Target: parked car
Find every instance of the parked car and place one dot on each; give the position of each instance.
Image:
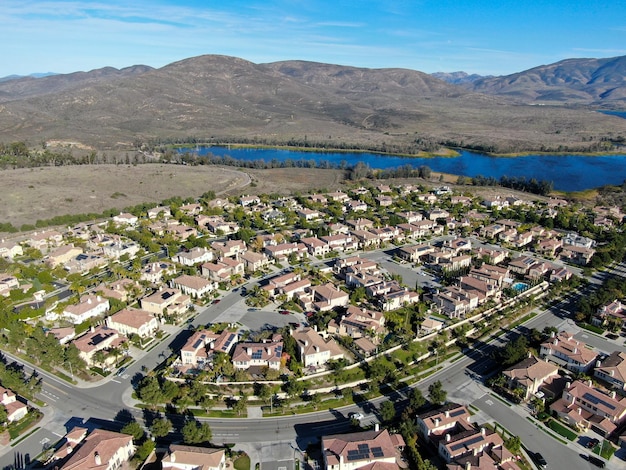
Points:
(356, 415)
(285, 312)
(540, 460)
(120, 371)
(216, 301)
(596, 461)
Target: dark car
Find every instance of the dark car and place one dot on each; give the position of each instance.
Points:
(285, 312)
(596, 461)
(541, 461)
(216, 301)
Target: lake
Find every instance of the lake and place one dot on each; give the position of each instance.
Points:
(567, 172)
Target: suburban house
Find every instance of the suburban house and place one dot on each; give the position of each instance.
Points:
(315, 351)
(356, 450)
(133, 322)
(125, 218)
(467, 442)
(195, 286)
(100, 450)
(284, 250)
(16, 410)
(10, 249)
(115, 250)
(566, 351)
(254, 261)
(613, 312)
(85, 262)
(168, 301)
(222, 270)
(455, 302)
(154, 272)
(579, 255)
(194, 256)
(229, 248)
(529, 375)
(325, 297)
(122, 289)
(612, 370)
(199, 348)
(358, 322)
(181, 457)
(44, 240)
(247, 355)
(432, 425)
(89, 306)
(586, 407)
(315, 246)
(62, 255)
(415, 253)
(100, 338)
(159, 211)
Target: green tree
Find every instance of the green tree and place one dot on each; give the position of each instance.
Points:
(3, 415)
(436, 393)
(161, 427)
(133, 429)
(195, 432)
(144, 450)
(149, 391)
(514, 444)
(416, 399)
(387, 411)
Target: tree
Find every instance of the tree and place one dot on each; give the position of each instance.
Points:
(387, 411)
(3, 415)
(195, 432)
(133, 429)
(161, 427)
(514, 444)
(149, 391)
(144, 450)
(436, 393)
(416, 399)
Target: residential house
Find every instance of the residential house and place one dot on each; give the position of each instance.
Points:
(308, 214)
(247, 355)
(100, 450)
(117, 249)
(579, 255)
(125, 218)
(340, 242)
(469, 442)
(154, 272)
(89, 306)
(432, 425)
(10, 249)
(196, 255)
(62, 255)
(181, 457)
(85, 262)
(159, 211)
(430, 325)
(100, 338)
(356, 450)
(612, 370)
(313, 350)
(391, 295)
(586, 407)
(191, 209)
(615, 312)
(182, 232)
(455, 302)
(568, 352)
(220, 271)
(254, 261)
(327, 297)
(166, 301)
(491, 255)
(358, 322)
(195, 286)
(415, 253)
(121, 289)
(15, 409)
(199, 349)
(133, 322)
(529, 375)
(8, 282)
(284, 250)
(315, 246)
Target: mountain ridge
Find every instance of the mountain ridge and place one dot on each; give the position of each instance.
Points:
(392, 109)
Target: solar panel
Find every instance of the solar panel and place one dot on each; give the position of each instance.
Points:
(457, 412)
(354, 457)
(377, 451)
(257, 354)
(363, 447)
(472, 441)
(597, 400)
(353, 452)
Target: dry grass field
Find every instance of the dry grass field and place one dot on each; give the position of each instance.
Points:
(35, 194)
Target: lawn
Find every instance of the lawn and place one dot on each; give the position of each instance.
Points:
(562, 430)
(242, 462)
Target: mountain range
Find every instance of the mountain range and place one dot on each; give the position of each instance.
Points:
(547, 108)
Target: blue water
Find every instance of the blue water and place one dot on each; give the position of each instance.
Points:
(621, 114)
(520, 286)
(567, 172)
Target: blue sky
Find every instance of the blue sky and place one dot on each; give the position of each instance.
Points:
(477, 36)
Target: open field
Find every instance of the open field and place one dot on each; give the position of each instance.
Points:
(35, 194)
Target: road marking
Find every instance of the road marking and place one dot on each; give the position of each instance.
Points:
(489, 402)
(116, 381)
(45, 440)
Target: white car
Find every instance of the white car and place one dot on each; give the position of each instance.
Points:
(356, 415)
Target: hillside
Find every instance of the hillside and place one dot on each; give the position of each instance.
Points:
(230, 98)
(588, 81)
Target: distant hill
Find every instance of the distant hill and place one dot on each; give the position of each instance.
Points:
(459, 78)
(596, 81)
(32, 75)
(229, 98)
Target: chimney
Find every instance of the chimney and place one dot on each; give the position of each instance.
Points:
(447, 437)
(575, 351)
(173, 457)
(555, 342)
(482, 431)
(98, 298)
(437, 421)
(447, 413)
(97, 458)
(376, 427)
(589, 383)
(89, 301)
(468, 465)
(612, 394)
(598, 363)
(69, 449)
(530, 354)
(580, 411)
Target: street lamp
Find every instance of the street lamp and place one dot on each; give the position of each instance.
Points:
(71, 371)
